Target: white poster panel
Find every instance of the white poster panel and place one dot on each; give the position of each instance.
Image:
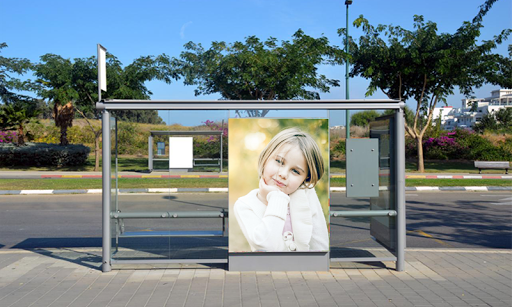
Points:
(181, 152)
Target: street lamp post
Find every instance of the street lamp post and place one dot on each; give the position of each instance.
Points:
(347, 95)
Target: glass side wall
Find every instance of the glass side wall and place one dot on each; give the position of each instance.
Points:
(160, 237)
(114, 224)
(353, 237)
(383, 229)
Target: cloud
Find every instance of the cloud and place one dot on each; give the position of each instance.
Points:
(183, 27)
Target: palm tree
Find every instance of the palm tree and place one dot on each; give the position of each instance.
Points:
(63, 115)
(55, 84)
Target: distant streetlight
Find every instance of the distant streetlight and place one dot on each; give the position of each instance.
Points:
(347, 95)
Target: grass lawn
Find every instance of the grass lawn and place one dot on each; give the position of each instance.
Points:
(136, 164)
(340, 182)
(458, 182)
(132, 164)
(139, 183)
(430, 167)
(124, 183)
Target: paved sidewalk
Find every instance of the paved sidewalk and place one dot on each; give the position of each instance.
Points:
(433, 277)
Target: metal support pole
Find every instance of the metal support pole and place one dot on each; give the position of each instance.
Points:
(400, 189)
(150, 153)
(116, 168)
(221, 146)
(106, 192)
(347, 94)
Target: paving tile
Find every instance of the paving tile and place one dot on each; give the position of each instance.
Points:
(105, 295)
(80, 283)
(437, 277)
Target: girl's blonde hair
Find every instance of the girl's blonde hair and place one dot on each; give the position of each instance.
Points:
(307, 146)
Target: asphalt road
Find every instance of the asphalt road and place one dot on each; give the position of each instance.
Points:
(434, 220)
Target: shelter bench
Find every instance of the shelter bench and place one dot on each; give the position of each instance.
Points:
(121, 233)
(492, 165)
(209, 162)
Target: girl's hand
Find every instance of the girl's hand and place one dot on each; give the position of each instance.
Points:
(265, 189)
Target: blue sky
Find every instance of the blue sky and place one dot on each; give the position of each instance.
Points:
(129, 29)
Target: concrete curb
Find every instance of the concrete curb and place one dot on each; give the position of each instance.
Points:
(225, 190)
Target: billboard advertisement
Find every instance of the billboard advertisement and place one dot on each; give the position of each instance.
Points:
(278, 185)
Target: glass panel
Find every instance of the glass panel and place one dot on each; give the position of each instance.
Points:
(383, 229)
(353, 237)
(138, 237)
(196, 238)
(114, 223)
(143, 238)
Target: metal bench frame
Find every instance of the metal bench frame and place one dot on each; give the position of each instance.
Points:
(121, 216)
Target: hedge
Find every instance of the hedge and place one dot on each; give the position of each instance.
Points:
(461, 145)
(42, 154)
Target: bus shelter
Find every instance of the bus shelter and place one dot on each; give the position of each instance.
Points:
(167, 155)
(375, 176)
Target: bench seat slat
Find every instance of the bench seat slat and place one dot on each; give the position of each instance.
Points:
(491, 164)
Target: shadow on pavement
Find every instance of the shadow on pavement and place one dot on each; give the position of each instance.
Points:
(468, 222)
(34, 243)
(87, 251)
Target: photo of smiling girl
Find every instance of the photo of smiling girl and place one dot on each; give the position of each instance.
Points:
(284, 212)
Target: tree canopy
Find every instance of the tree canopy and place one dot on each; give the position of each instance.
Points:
(72, 85)
(425, 65)
(15, 109)
(499, 121)
(123, 83)
(363, 118)
(259, 70)
(9, 85)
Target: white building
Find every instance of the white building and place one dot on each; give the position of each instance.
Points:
(472, 110)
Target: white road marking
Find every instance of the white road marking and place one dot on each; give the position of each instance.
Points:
(504, 202)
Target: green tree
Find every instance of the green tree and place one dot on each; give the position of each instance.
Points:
(494, 122)
(423, 65)
(488, 122)
(257, 70)
(15, 109)
(363, 118)
(54, 77)
(409, 115)
(9, 85)
(504, 118)
(123, 83)
(14, 116)
(75, 82)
